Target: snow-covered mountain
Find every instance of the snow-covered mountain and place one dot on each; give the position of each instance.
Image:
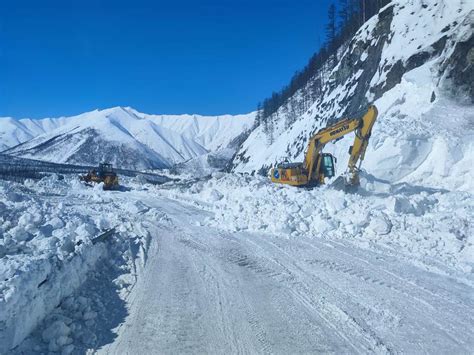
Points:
(415, 61)
(213, 133)
(123, 136)
(13, 132)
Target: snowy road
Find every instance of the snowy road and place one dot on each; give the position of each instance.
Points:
(208, 291)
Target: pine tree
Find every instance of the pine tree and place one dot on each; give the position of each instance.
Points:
(265, 126)
(363, 10)
(271, 129)
(344, 12)
(292, 114)
(286, 114)
(331, 32)
(258, 117)
(354, 15)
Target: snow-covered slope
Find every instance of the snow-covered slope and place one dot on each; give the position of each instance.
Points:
(212, 132)
(122, 136)
(13, 132)
(415, 61)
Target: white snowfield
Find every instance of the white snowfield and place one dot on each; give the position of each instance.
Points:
(13, 132)
(235, 265)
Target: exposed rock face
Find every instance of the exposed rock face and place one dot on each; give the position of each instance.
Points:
(354, 62)
(460, 69)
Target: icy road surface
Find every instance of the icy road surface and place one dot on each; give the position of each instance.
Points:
(208, 291)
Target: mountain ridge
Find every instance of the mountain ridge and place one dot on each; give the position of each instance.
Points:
(121, 135)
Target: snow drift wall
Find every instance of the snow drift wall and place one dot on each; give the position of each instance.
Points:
(48, 248)
(33, 297)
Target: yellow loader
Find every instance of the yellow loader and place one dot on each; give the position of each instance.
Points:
(105, 173)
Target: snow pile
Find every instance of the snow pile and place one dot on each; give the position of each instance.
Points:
(204, 165)
(434, 151)
(48, 247)
(425, 224)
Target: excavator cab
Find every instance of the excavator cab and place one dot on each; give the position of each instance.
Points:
(327, 169)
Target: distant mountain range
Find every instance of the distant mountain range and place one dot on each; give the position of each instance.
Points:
(122, 136)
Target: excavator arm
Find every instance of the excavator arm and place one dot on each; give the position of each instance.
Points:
(324, 136)
(310, 171)
(357, 150)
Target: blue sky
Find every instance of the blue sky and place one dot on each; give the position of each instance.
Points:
(207, 56)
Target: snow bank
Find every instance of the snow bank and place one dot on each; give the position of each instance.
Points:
(433, 148)
(47, 250)
(422, 223)
(204, 165)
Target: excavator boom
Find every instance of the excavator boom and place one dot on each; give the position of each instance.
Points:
(316, 165)
(357, 151)
(326, 135)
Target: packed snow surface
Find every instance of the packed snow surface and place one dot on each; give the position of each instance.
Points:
(234, 262)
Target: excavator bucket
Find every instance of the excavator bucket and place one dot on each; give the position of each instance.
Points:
(341, 183)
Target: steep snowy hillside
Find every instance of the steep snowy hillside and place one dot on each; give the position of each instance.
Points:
(123, 136)
(13, 132)
(415, 61)
(212, 132)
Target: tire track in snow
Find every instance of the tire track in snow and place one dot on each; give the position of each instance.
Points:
(262, 268)
(259, 264)
(449, 331)
(257, 293)
(323, 304)
(434, 302)
(440, 293)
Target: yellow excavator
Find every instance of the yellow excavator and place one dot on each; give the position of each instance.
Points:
(317, 165)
